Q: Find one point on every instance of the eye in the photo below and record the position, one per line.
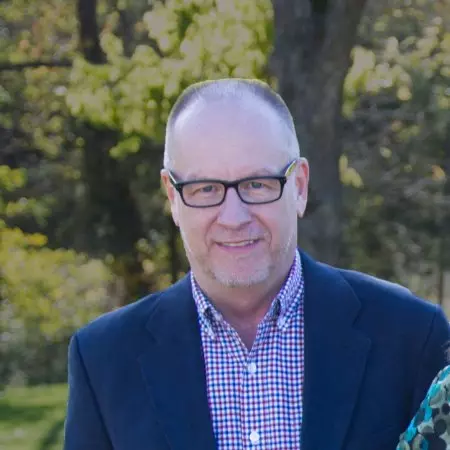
(208, 188)
(256, 185)
(259, 185)
(202, 189)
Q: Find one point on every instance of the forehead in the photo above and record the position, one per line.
(229, 138)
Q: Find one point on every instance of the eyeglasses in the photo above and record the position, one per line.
(206, 193)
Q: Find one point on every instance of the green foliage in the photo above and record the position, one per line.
(32, 418)
(192, 41)
(11, 179)
(349, 176)
(397, 110)
(36, 31)
(45, 295)
(27, 25)
(54, 289)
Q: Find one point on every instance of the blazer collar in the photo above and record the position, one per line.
(173, 367)
(335, 356)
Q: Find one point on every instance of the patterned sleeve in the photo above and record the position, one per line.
(430, 427)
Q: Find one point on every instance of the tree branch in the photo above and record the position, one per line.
(152, 43)
(16, 67)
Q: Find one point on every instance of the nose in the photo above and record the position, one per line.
(233, 211)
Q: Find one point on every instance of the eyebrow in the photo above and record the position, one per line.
(193, 176)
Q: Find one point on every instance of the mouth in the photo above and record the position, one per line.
(239, 244)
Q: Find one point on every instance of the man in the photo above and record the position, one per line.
(259, 346)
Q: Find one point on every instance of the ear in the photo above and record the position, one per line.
(301, 184)
(171, 195)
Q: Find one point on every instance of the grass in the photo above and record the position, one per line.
(32, 418)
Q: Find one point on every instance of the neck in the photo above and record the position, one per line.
(243, 303)
(243, 307)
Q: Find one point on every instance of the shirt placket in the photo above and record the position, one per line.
(252, 405)
(226, 343)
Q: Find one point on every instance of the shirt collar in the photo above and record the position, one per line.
(288, 293)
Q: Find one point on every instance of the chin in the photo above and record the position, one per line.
(241, 279)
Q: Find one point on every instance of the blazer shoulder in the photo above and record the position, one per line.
(398, 320)
(117, 334)
(125, 328)
(122, 318)
(371, 289)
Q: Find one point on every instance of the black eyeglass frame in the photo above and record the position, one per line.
(286, 172)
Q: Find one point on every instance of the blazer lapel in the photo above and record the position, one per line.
(173, 368)
(335, 357)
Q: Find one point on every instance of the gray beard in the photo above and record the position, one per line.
(235, 279)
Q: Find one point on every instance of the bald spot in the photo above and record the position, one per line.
(230, 115)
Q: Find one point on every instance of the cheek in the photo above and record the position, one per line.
(280, 222)
(194, 225)
(272, 223)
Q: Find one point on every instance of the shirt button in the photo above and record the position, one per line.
(251, 368)
(254, 437)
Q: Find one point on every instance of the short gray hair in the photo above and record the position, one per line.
(231, 88)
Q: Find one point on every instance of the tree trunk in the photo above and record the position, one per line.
(113, 219)
(313, 42)
(88, 32)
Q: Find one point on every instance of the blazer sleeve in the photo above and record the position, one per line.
(434, 356)
(84, 426)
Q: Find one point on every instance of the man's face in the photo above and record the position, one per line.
(236, 244)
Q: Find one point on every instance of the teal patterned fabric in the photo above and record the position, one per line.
(430, 427)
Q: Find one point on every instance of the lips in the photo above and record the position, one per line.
(238, 243)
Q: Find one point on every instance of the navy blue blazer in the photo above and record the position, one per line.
(137, 377)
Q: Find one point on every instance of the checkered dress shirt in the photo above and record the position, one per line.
(255, 397)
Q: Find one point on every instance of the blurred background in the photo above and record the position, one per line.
(85, 90)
